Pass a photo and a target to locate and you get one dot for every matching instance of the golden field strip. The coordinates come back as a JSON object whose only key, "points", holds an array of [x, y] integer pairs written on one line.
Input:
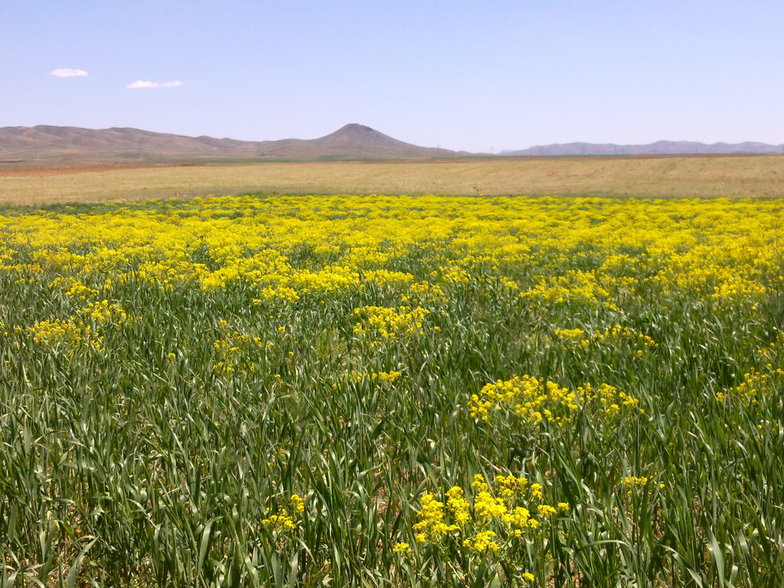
{"points": [[697, 176]]}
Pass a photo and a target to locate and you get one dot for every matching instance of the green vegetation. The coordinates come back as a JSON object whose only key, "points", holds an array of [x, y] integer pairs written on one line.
{"points": [[371, 391]]}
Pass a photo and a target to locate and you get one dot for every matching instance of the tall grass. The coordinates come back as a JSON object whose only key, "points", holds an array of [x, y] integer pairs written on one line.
{"points": [[158, 438]]}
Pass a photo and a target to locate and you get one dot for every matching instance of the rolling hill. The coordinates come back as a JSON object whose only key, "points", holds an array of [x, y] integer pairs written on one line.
{"points": [[47, 145], [63, 145]]}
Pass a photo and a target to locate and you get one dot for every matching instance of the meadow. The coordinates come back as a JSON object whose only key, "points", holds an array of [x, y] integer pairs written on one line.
{"points": [[660, 177], [349, 390]]}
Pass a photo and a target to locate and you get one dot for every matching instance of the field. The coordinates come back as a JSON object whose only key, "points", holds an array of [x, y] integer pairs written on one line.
{"points": [[391, 390], [697, 176]]}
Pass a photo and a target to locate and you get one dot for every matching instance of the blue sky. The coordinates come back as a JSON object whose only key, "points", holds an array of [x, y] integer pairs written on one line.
{"points": [[456, 74]]}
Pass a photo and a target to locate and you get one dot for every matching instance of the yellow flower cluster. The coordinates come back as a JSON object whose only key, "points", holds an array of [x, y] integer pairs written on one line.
{"points": [[382, 323], [59, 331], [763, 382], [616, 337], [103, 311], [735, 288], [574, 285], [717, 250], [281, 520], [755, 383], [279, 292], [636, 484], [297, 503], [383, 377], [499, 514], [431, 526], [538, 401], [424, 293], [482, 541], [748, 390], [576, 335], [80, 329], [635, 481], [74, 288], [235, 352]]}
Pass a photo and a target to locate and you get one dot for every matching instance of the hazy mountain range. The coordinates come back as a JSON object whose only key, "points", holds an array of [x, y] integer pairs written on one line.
{"points": [[73, 145], [126, 145], [657, 148]]}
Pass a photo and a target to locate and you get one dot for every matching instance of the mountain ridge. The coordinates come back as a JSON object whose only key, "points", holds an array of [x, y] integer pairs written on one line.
{"points": [[655, 148], [67, 144]]}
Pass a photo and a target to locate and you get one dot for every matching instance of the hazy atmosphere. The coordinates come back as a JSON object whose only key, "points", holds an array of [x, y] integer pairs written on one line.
{"points": [[459, 75]]}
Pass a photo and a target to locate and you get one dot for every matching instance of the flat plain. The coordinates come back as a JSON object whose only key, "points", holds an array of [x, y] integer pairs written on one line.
{"points": [[357, 389], [689, 176]]}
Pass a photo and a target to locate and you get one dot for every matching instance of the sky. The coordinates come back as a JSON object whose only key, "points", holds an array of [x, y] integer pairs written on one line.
{"points": [[479, 75]]}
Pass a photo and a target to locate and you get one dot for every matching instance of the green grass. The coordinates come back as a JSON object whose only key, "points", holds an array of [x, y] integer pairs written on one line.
{"points": [[143, 462]]}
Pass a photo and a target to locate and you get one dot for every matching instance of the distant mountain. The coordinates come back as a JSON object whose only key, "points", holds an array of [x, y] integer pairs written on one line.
{"points": [[352, 141], [657, 148], [52, 144]]}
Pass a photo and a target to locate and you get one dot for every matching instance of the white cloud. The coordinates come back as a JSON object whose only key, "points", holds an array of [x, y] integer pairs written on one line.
{"points": [[67, 72], [143, 84]]}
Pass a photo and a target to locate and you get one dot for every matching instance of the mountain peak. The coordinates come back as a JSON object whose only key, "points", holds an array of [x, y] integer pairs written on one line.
{"points": [[356, 127], [354, 135], [119, 144]]}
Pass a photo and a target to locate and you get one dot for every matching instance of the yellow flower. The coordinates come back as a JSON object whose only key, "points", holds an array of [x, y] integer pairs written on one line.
{"points": [[519, 517], [487, 507], [297, 502], [479, 483], [458, 505], [633, 481], [431, 525], [537, 401], [280, 521], [482, 541]]}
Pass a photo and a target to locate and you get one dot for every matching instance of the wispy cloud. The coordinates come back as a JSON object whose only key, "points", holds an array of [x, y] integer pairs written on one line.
{"points": [[67, 72], [144, 84]]}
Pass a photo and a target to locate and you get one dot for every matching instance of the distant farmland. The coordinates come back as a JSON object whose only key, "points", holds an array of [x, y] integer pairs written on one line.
{"points": [[697, 176]]}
